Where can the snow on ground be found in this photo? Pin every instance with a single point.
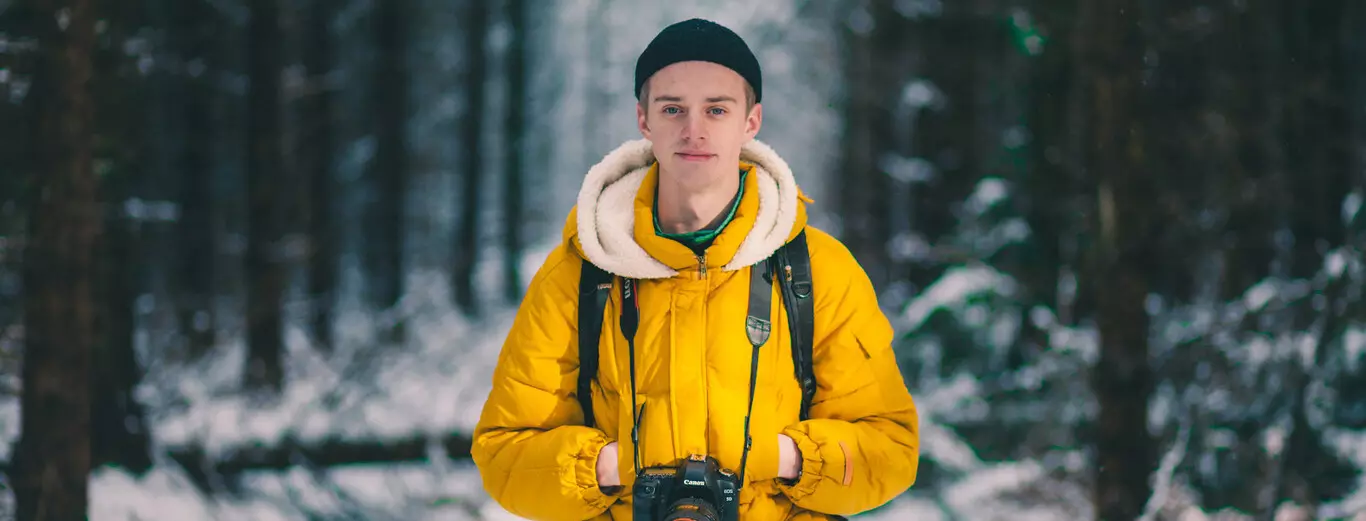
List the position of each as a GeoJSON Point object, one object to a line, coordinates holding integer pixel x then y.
{"type": "Point", "coordinates": [409, 492]}
{"type": "Point", "coordinates": [1004, 492]}
{"type": "Point", "coordinates": [421, 492]}
{"type": "Point", "coordinates": [435, 384]}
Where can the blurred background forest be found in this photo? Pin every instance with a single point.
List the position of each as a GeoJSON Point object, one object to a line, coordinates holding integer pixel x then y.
{"type": "Point", "coordinates": [260, 255]}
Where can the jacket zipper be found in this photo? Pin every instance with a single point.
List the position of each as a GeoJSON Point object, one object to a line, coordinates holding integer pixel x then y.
{"type": "Point", "coordinates": [702, 265]}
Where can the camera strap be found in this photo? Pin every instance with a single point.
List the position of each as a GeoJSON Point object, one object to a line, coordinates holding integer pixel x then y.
{"type": "Point", "coordinates": [630, 321]}
{"type": "Point", "coordinates": [757, 328]}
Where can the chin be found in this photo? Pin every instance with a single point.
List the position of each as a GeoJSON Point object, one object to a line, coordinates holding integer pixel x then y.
{"type": "Point", "coordinates": [693, 175]}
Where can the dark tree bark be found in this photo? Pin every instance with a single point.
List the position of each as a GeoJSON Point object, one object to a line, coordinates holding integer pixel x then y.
{"type": "Point", "coordinates": [1048, 201]}
{"type": "Point", "coordinates": [389, 169]}
{"type": "Point", "coordinates": [1255, 184]}
{"type": "Point", "coordinates": [466, 252]}
{"type": "Point", "coordinates": [1110, 50]}
{"type": "Point", "coordinates": [52, 457]}
{"type": "Point", "coordinates": [1316, 127]}
{"type": "Point", "coordinates": [15, 144]}
{"type": "Point", "coordinates": [319, 146]}
{"type": "Point", "coordinates": [863, 193]}
{"type": "Point", "coordinates": [957, 48]}
{"type": "Point", "coordinates": [514, 128]}
{"type": "Point", "coordinates": [193, 29]}
{"type": "Point", "coordinates": [265, 162]}
{"type": "Point", "coordinates": [119, 434]}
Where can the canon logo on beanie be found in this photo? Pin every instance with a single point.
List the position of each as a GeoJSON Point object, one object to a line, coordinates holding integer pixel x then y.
{"type": "Point", "coordinates": [699, 40]}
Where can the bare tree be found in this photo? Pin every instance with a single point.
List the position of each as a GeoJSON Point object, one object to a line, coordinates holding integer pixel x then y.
{"type": "Point", "coordinates": [1110, 50]}
{"type": "Point", "coordinates": [319, 148]}
{"type": "Point", "coordinates": [466, 241]}
{"type": "Point", "coordinates": [863, 194]}
{"type": "Point", "coordinates": [193, 36]}
{"type": "Point", "coordinates": [52, 457]}
{"type": "Point", "coordinates": [119, 434]}
{"type": "Point", "coordinates": [514, 129]}
{"type": "Point", "coordinates": [1050, 188]}
{"type": "Point", "coordinates": [389, 173]}
{"type": "Point", "coordinates": [265, 167]}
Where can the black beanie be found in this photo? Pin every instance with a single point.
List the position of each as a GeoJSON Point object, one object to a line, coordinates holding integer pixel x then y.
{"type": "Point", "coordinates": [699, 40]}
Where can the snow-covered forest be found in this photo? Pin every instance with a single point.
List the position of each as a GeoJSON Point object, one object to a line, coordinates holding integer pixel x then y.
{"type": "Point", "coordinates": [258, 257]}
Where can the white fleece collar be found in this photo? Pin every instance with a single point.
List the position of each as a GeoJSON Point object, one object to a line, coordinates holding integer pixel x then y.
{"type": "Point", "coordinates": [606, 211]}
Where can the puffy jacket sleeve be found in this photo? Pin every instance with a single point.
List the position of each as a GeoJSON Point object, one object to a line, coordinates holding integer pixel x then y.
{"type": "Point", "coordinates": [860, 448]}
{"type": "Point", "coordinates": [535, 456]}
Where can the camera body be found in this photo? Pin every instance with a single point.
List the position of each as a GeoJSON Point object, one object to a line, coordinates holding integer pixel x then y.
{"type": "Point", "coordinates": [698, 489]}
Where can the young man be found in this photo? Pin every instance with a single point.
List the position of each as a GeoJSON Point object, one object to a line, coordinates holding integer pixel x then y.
{"type": "Point", "coordinates": [680, 220]}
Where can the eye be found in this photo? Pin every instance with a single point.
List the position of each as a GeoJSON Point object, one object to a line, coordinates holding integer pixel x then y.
{"type": "Point", "coordinates": [671, 110]}
{"type": "Point", "coordinates": [718, 111]}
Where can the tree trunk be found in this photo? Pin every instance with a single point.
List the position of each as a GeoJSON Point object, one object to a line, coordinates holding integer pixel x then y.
{"type": "Point", "coordinates": [119, 433]}
{"type": "Point", "coordinates": [319, 148]}
{"type": "Point", "coordinates": [862, 196]}
{"type": "Point", "coordinates": [119, 429]}
{"type": "Point", "coordinates": [389, 169]}
{"type": "Point", "coordinates": [1256, 100]}
{"type": "Point", "coordinates": [52, 456]}
{"type": "Point", "coordinates": [466, 251]}
{"type": "Point", "coordinates": [957, 47]}
{"type": "Point", "coordinates": [1048, 190]}
{"type": "Point", "coordinates": [1110, 51]}
{"type": "Point", "coordinates": [1316, 128]}
{"type": "Point", "coordinates": [16, 143]}
{"type": "Point", "coordinates": [514, 129]}
{"type": "Point", "coordinates": [264, 269]}
{"type": "Point", "coordinates": [196, 242]}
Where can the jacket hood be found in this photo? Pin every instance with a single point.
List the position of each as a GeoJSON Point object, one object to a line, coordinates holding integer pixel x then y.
{"type": "Point", "coordinates": [602, 225]}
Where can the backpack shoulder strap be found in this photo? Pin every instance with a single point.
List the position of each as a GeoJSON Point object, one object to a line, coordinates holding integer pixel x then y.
{"type": "Point", "coordinates": [595, 285]}
{"type": "Point", "coordinates": [797, 300]}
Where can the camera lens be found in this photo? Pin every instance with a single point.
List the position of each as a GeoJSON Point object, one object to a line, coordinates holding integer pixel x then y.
{"type": "Point", "coordinates": [692, 509]}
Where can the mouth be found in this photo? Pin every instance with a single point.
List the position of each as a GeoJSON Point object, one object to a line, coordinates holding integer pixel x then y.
{"type": "Point", "coordinates": [694, 156]}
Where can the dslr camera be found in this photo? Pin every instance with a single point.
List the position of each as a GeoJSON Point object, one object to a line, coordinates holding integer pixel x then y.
{"type": "Point", "coordinates": [697, 490]}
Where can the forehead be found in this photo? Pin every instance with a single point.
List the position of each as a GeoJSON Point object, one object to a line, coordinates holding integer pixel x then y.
{"type": "Point", "coordinates": [696, 80]}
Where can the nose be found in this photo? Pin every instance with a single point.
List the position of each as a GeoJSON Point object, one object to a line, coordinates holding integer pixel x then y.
{"type": "Point", "coordinates": [695, 128]}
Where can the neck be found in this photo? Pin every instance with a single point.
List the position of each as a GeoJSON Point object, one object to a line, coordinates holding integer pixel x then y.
{"type": "Point", "coordinates": [684, 209]}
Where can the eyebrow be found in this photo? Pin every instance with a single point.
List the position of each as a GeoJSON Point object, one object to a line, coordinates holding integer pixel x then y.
{"type": "Point", "coordinates": [676, 99]}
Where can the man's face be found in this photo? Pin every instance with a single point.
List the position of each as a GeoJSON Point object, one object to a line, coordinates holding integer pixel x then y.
{"type": "Point", "coordinates": [694, 114]}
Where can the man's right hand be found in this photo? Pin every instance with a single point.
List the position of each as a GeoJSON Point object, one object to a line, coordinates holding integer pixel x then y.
{"type": "Point", "coordinates": [608, 476]}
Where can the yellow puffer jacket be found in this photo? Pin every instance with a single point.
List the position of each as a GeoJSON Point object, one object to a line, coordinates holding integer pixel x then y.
{"type": "Point", "coordinates": [859, 449]}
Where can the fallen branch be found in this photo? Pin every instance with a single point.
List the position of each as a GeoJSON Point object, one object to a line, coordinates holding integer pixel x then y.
{"type": "Point", "coordinates": [205, 472]}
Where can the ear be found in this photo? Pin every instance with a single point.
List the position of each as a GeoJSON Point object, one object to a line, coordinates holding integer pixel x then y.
{"type": "Point", "coordinates": [754, 120]}
{"type": "Point", "coordinates": [641, 123]}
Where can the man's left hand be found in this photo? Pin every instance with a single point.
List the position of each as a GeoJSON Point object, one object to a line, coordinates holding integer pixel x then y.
{"type": "Point", "coordinates": [789, 458]}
